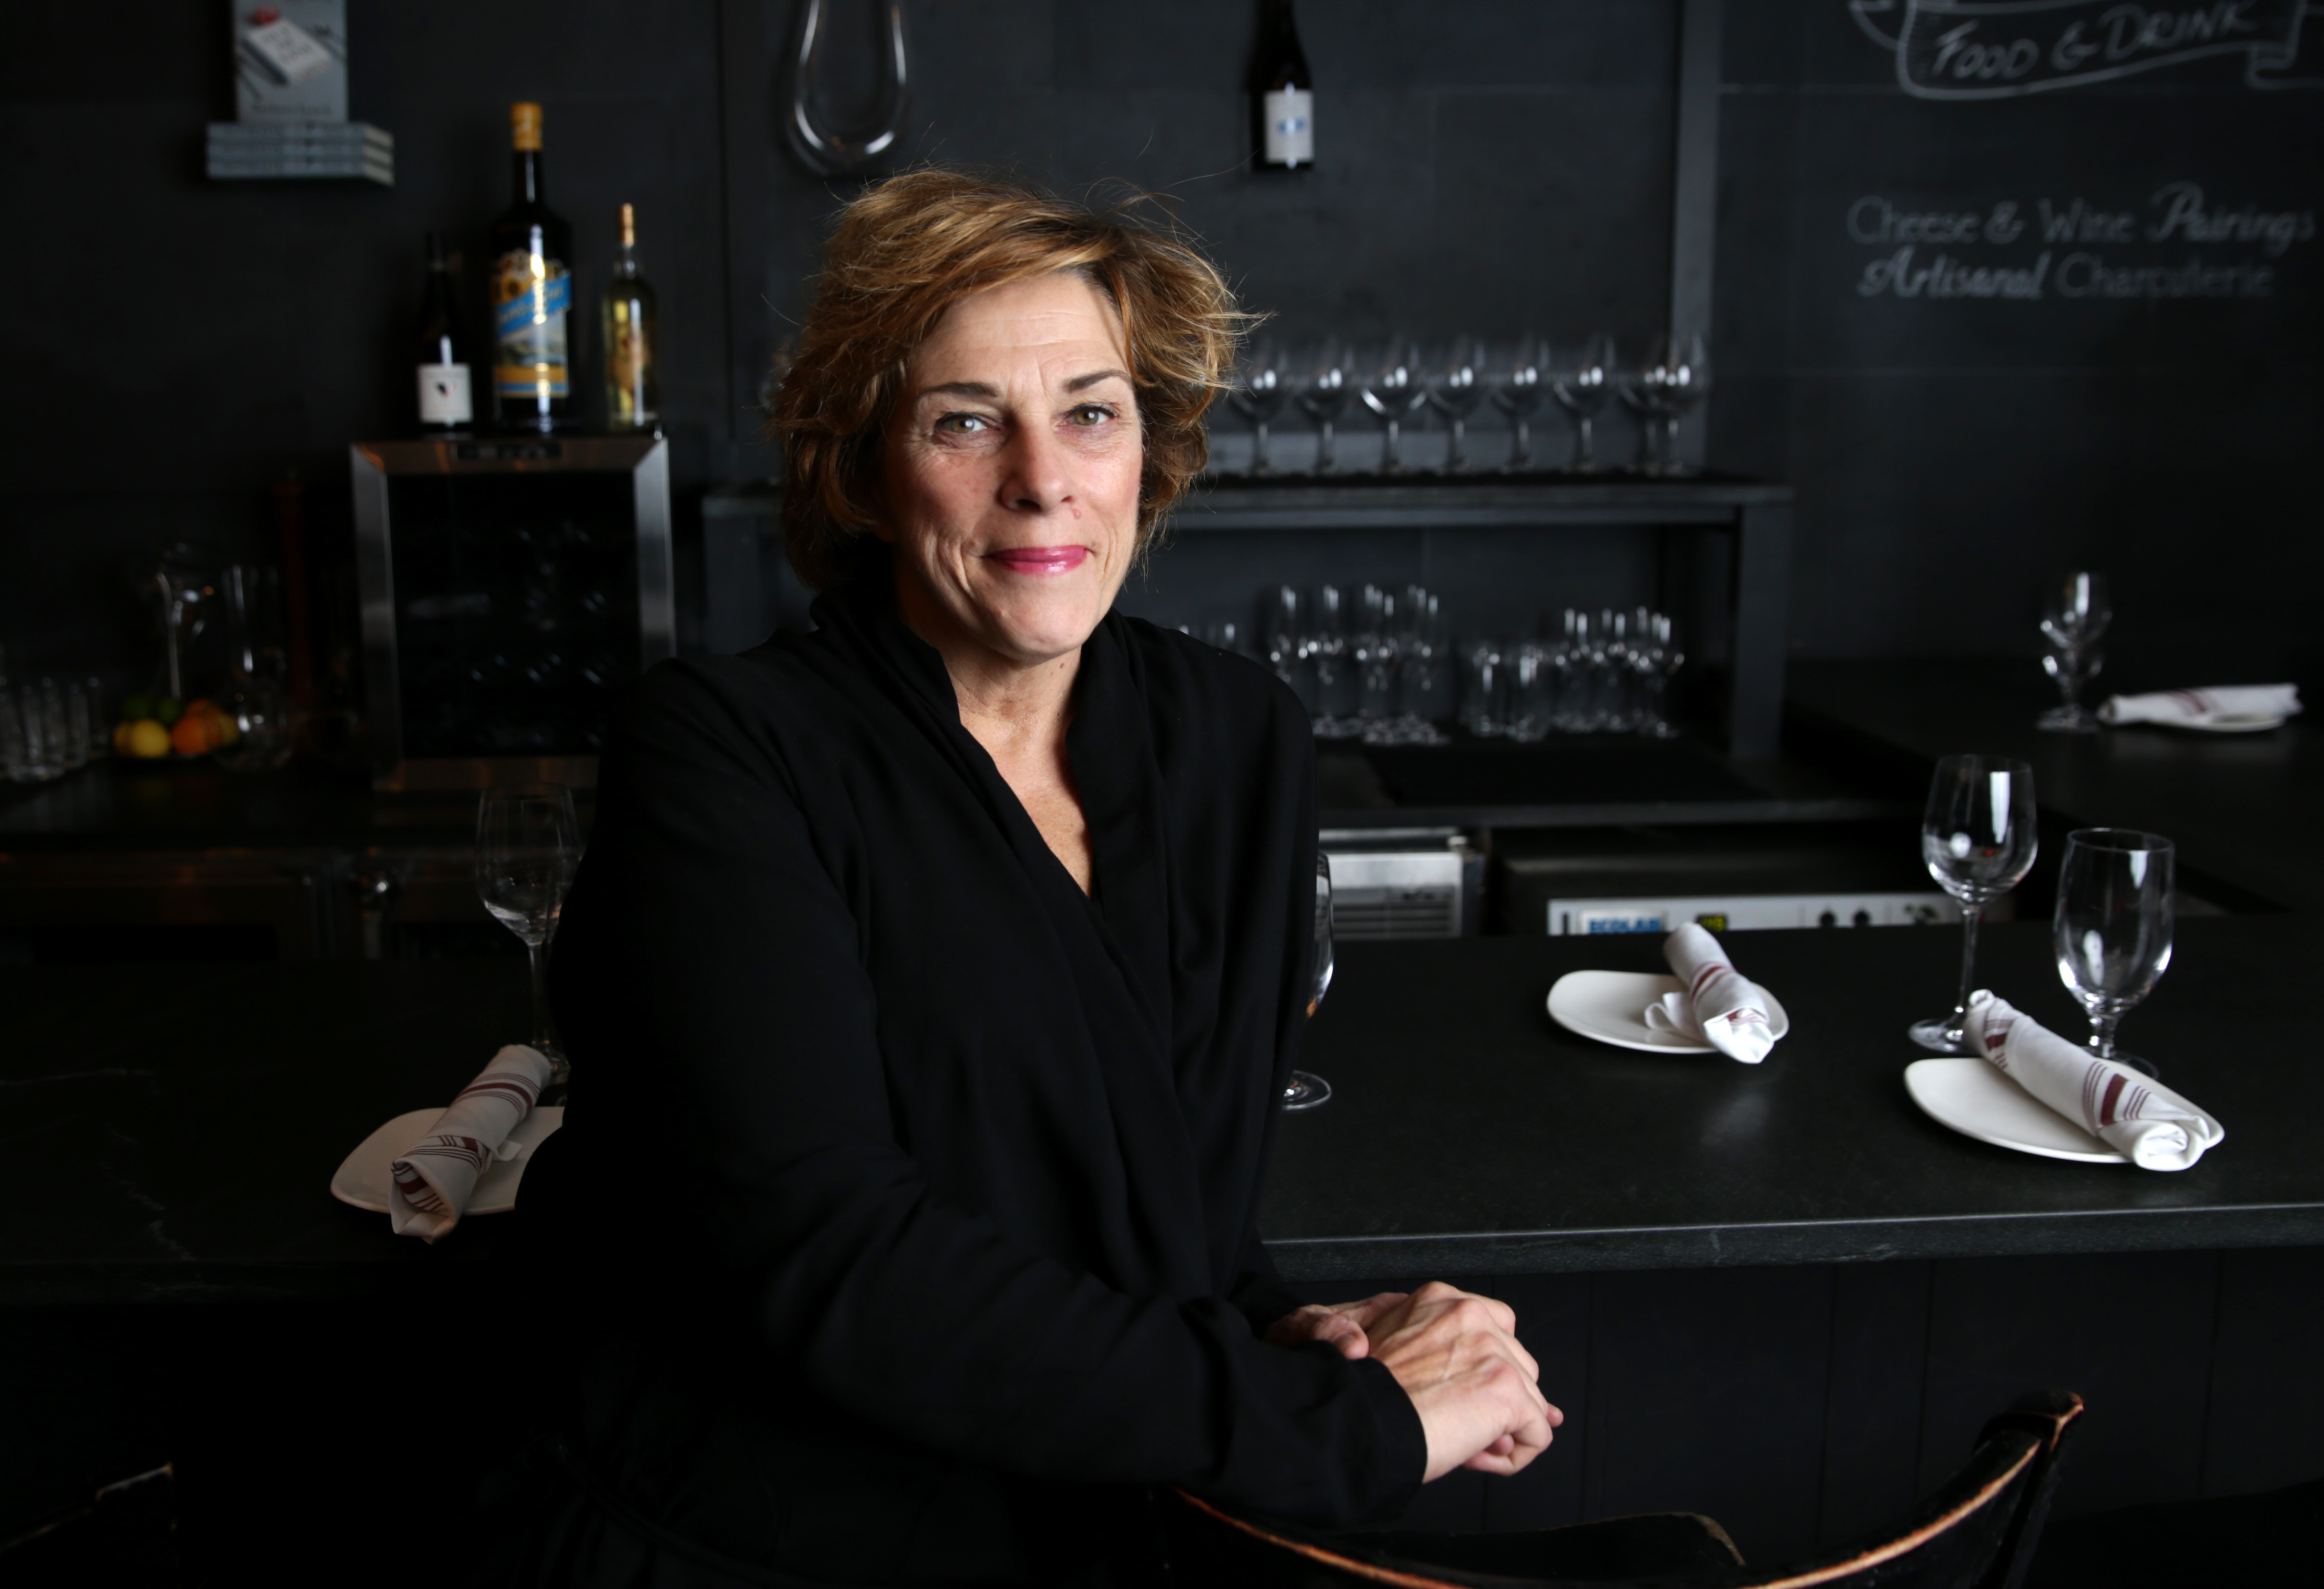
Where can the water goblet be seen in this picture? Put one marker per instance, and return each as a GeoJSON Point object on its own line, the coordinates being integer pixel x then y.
{"type": "Point", "coordinates": [1978, 839]}
{"type": "Point", "coordinates": [526, 846]}
{"type": "Point", "coordinates": [2112, 926]}
{"type": "Point", "coordinates": [1581, 384]}
{"type": "Point", "coordinates": [2076, 609]}
{"type": "Point", "coordinates": [1518, 387]}
{"type": "Point", "coordinates": [1324, 395]}
{"type": "Point", "coordinates": [1303, 1089]}
{"type": "Point", "coordinates": [1258, 392]}
{"type": "Point", "coordinates": [1391, 391]}
{"type": "Point", "coordinates": [1456, 385]}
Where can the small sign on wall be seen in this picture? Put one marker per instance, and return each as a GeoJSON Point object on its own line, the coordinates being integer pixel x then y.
{"type": "Point", "coordinates": [289, 59]}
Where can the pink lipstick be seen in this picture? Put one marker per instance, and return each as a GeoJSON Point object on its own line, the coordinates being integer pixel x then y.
{"type": "Point", "coordinates": [1040, 559]}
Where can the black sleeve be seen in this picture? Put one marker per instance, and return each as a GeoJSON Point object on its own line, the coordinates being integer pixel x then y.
{"type": "Point", "coordinates": [710, 947]}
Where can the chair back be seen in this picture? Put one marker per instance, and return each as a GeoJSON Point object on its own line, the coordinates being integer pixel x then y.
{"type": "Point", "coordinates": [1977, 1531]}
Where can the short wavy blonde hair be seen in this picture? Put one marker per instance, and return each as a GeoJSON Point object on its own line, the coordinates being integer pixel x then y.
{"type": "Point", "coordinates": [909, 249]}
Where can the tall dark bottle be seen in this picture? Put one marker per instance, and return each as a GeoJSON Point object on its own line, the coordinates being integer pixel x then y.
{"type": "Point", "coordinates": [532, 295]}
{"type": "Point", "coordinates": [1283, 94]}
{"type": "Point", "coordinates": [446, 401]}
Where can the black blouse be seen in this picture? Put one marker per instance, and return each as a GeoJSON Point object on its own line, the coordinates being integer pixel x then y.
{"type": "Point", "coordinates": [935, 1180]}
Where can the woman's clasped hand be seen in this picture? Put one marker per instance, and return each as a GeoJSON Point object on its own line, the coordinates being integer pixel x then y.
{"type": "Point", "coordinates": [1457, 1355]}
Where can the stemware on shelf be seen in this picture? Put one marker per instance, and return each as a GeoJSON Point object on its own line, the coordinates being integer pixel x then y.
{"type": "Point", "coordinates": [1303, 1089]}
{"type": "Point", "coordinates": [1533, 691]}
{"type": "Point", "coordinates": [1484, 689]}
{"type": "Point", "coordinates": [527, 844]}
{"type": "Point", "coordinates": [1373, 651]}
{"type": "Point", "coordinates": [2112, 926]}
{"type": "Point", "coordinates": [1519, 382]}
{"type": "Point", "coordinates": [1391, 391]}
{"type": "Point", "coordinates": [1580, 381]}
{"type": "Point", "coordinates": [1456, 384]}
{"type": "Point", "coordinates": [1978, 839]}
{"type": "Point", "coordinates": [1425, 662]}
{"type": "Point", "coordinates": [1324, 395]}
{"type": "Point", "coordinates": [1685, 366]}
{"type": "Point", "coordinates": [1657, 660]}
{"type": "Point", "coordinates": [1285, 645]}
{"type": "Point", "coordinates": [2076, 609]}
{"type": "Point", "coordinates": [1328, 651]}
{"type": "Point", "coordinates": [1258, 391]}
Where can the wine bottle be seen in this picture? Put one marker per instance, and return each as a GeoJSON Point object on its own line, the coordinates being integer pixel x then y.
{"type": "Point", "coordinates": [1284, 93]}
{"type": "Point", "coordinates": [632, 344]}
{"type": "Point", "coordinates": [446, 404]}
{"type": "Point", "coordinates": [532, 294]}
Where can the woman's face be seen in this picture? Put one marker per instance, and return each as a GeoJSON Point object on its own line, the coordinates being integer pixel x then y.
{"type": "Point", "coordinates": [1012, 469]}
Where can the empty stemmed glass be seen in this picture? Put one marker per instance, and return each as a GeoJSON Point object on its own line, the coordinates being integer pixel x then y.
{"type": "Point", "coordinates": [1456, 385]}
{"type": "Point", "coordinates": [2075, 613]}
{"type": "Point", "coordinates": [1303, 1089]}
{"type": "Point", "coordinates": [1330, 651]}
{"type": "Point", "coordinates": [1392, 390]}
{"type": "Point", "coordinates": [2113, 926]}
{"type": "Point", "coordinates": [1518, 386]}
{"type": "Point", "coordinates": [1258, 392]}
{"type": "Point", "coordinates": [1655, 652]}
{"type": "Point", "coordinates": [1323, 395]}
{"type": "Point", "coordinates": [527, 847]}
{"type": "Point", "coordinates": [1580, 383]}
{"type": "Point", "coordinates": [1675, 376]}
{"type": "Point", "coordinates": [1978, 839]}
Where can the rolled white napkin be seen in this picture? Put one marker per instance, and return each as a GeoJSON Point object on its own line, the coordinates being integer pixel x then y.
{"type": "Point", "coordinates": [434, 1178]}
{"type": "Point", "coordinates": [2149, 1125]}
{"type": "Point", "coordinates": [2195, 707]}
{"type": "Point", "coordinates": [1715, 1003]}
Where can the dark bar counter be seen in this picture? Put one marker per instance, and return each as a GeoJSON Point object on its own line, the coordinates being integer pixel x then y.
{"type": "Point", "coordinates": [174, 1129]}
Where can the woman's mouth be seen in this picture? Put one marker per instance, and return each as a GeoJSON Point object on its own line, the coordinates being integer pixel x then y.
{"type": "Point", "coordinates": [1039, 559]}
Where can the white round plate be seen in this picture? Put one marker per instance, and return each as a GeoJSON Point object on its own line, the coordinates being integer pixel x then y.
{"type": "Point", "coordinates": [1977, 1101]}
{"type": "Point", "coordinates": [1611, 1007]}
{"type": "Point", "coordinates": [2238, 722]}
{"type": "Point", "coordinates": [364, 1178]}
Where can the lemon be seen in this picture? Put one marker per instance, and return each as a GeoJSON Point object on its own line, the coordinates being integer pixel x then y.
{"type": "Point", "coordinates": [148, 739]}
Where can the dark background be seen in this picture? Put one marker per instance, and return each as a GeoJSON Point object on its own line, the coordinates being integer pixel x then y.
{"type": "Point", "coordinates": [1487, 165]}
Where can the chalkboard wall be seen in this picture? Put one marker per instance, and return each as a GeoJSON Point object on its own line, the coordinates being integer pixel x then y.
{"type": "Point", "coordinates": [2076, 321]}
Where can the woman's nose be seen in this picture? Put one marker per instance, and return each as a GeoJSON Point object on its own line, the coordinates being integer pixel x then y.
{"type": "Point", "coordinates": [1037, 471]}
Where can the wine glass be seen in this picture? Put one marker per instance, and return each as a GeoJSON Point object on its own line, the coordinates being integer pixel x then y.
{"type": "Point", "coordinates": [1517, 389]}
{"type": "Point", "coordinates": [2075, 612]}
{"type": "Point", "coordinates": [1685, 371]}
{"type": "Point", "coordinates": [1303, 1089]}
{"type": "Point", "coordinates": [2112, 926]}
{"type": "Point", "coordinates": [1258, 392]}
{"type": "Point", "coordinates": [1978, 839]}
{"type": "Point", "coordinates": [1581, 384]}
{"type": "Point", "coordinates": [1374, 653]}
{"type": "Point", "coordinates": [527, 847]}
{"type": "Point", "coordinates": [1324, 395]}
{"type": "Point", "coordinates": [1657, 661]}
{"type": "Point", "coordinates": [1331, 650]}
{"type": "Point", "coordinates": [1456, 385]}
{"type": "Point", "coordinates": [1391, 391]}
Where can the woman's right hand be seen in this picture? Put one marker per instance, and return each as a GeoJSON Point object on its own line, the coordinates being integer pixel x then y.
{"type": "Point", "coordinates": [1458, 1357]}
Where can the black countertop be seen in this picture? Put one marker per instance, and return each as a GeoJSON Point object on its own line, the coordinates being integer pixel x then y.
{"type": "Point", "coordinates": [171, 1132]}
{"type": "Point", "coordinates": [1468, 1134]}
{"type": "Point", "coordinates": [2243, 809]}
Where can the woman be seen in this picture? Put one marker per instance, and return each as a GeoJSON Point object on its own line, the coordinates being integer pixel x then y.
{"type": "Point", "coordinates": [930, 977]}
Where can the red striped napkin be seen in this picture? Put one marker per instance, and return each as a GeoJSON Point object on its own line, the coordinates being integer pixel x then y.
{"type": "Point", "coordinates": [436, 1176]}
{"type": "Point", "coordinates": [1715, 1003]}
{"type": "Point", "coordinates": [2196, 707]}
{"type": "Point", "coordinates": [2145, 1122]}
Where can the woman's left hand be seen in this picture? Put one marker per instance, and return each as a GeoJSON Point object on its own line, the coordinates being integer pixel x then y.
{"type": "Point", "coordinates": [1345, 1325]}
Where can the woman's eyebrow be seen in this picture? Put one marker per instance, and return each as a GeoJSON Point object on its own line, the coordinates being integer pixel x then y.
{"type": "Point", "coordinates": [1083, 383]}
{"type": "Point", "coordinates": [960, 389]}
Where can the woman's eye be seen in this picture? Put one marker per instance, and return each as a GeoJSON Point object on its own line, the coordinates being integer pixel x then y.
{"type": "Point", "coordinates": [963, 424]}
{"type": "Point", "coordinates": [1091, 413]}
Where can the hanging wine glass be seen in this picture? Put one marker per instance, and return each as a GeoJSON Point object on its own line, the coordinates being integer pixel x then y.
{"type": "Point", "coordinates": [1303, 1089]}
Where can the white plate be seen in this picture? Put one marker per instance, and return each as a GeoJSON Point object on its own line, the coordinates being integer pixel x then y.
{"type": "Point", "coordinates": [1977, 1101]}
{"type": "Point", "coordinates": [364, 1178]}
{"type": "Point", "coordinates": [2237, 722]}
{"type": "Point", "coordinates": [1611, 1006]}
